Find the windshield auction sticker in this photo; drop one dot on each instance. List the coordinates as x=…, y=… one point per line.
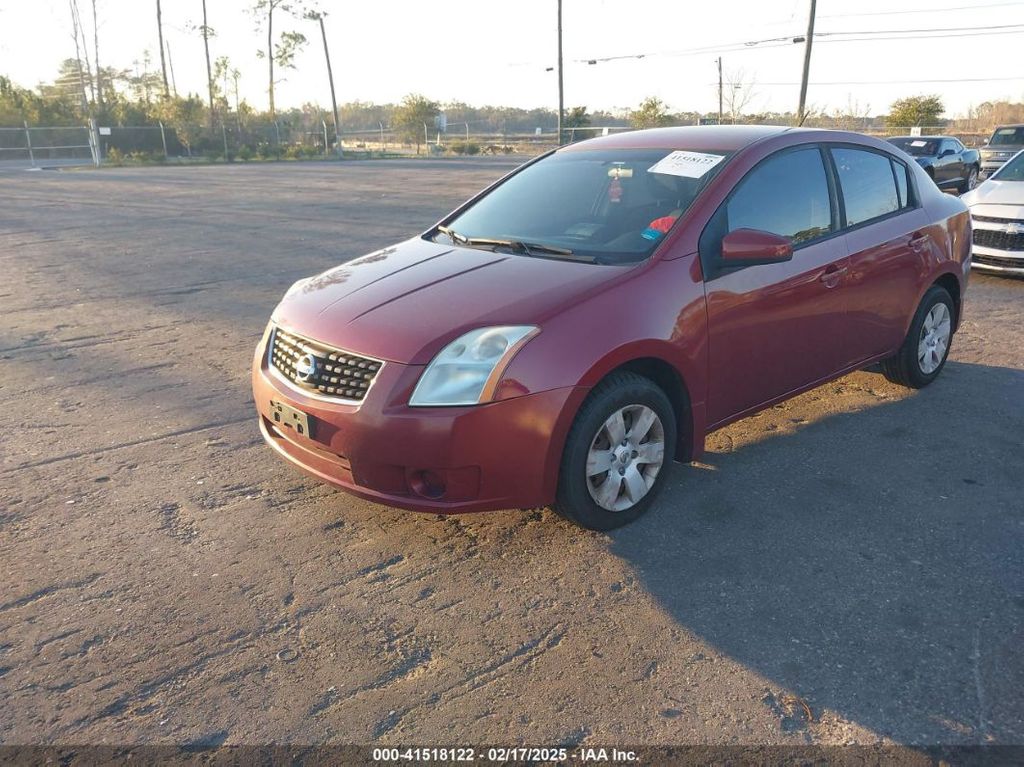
x=686, y=164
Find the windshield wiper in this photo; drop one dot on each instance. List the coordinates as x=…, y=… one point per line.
x=536, y=249
x=455, y=236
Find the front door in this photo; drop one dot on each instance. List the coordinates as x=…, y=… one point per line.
x=775, y=328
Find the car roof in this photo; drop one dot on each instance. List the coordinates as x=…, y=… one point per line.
x=1009, y=125
x=727, y=138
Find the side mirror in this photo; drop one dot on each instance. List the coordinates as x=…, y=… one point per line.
x=947, y=152
x=746, y=247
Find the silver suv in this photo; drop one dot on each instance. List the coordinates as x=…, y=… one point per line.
x=1006, y=141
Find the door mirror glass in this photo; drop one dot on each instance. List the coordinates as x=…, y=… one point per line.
x=745, y=247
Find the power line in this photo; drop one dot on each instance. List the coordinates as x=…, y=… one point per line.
x=899, y=82
x=916, y=31
x=825, y=37
x=922, y=10
x=922, y=37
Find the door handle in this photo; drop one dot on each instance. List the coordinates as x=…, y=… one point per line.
x=832, y=275
x=918, y=242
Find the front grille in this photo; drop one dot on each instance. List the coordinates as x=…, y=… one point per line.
x=994, y=219
x=990, y=238
x=335, y=373
x=1002, y=263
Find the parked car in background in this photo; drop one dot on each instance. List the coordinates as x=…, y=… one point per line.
x=948, y=162
x=997, y=211
x=566, y=334
x=1005, y=142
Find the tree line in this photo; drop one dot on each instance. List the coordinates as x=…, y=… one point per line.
x=147, y=94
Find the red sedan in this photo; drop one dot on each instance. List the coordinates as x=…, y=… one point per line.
x=570, y=331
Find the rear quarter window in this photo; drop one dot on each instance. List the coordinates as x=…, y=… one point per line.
x=902, y=183
x=867, y=184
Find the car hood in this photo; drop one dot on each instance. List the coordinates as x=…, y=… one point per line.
x=404, y=303
x=996, y=192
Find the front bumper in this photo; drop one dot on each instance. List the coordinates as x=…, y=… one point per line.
x=499, y=455
x=991, y=165
x=1000, y=261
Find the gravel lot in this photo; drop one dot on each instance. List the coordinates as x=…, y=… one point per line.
x=166, y=579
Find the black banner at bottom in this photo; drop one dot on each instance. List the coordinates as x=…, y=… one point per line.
x=454, y=755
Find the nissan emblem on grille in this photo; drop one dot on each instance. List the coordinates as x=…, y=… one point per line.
x=305, y=368
x=321, y=369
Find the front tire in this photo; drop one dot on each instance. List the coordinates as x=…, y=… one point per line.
x=971, y=181
x=926, y=347
x=617, y=452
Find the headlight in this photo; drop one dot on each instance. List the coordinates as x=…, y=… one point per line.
x=466, y=371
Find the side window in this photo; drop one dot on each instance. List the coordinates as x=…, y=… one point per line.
x=957, y=146
x=787, y=194
x=867, y=184
x=902, y=183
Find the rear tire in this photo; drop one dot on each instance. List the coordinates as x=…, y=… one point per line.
x=604, y=481
x=926, y=347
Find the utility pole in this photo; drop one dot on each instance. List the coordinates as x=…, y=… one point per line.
x=330, y=76
x=96, y=53
x=209, y=70
x=719, y=90
x=561, y=91
x=170, y=63
x=801, y=115
x=163, y=57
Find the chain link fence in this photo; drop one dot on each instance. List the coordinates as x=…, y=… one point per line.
x=43, y=146
x=239, y=141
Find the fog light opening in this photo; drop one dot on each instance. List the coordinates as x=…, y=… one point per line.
x=429, y=484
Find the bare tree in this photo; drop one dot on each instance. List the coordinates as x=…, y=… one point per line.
x=268, y=7
x=78, y=55
x=854, y=116
x=283, y=53
x=738, y=93
x=163, y=57
x=80, y=30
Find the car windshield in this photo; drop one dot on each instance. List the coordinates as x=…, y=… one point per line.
x=1007, y=137
x=919, y=147
x=602, y=205
x=1013, y=170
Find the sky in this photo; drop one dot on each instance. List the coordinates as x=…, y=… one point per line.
x=497, y=52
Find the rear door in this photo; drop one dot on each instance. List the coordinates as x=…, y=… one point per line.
x=772, y=328
x=889, y=241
